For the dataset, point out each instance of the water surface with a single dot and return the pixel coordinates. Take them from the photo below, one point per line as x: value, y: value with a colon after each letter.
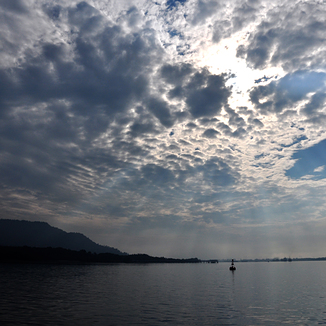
x: 273, y: 293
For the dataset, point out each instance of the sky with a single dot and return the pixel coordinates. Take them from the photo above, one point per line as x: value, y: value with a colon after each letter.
x: 177, y: 128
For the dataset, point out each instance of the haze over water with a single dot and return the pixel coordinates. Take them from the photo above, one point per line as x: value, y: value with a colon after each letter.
x: 163, y: 294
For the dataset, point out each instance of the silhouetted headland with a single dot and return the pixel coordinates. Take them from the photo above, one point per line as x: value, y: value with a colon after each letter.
x: 25, y: 241
x: 66, y: 256
x: 40, y: 234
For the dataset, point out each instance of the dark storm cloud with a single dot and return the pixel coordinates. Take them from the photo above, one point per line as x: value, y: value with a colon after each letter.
x: 288, y: 91
x: 292, y: 35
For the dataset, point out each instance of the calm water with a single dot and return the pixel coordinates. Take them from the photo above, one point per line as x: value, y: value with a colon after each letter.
x: 164, y: 294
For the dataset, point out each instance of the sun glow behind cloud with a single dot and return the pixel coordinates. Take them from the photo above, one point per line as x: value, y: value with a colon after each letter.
x: 222, y: 58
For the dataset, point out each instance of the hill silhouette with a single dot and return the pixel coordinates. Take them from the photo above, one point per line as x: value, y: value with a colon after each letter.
x: 66, y: 256
x: 19, y: 233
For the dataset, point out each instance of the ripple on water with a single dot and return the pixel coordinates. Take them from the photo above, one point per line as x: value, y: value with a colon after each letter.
x: 161, y: 294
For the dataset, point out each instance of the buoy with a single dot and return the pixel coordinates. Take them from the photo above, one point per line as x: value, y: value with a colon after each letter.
x: 232, y: 267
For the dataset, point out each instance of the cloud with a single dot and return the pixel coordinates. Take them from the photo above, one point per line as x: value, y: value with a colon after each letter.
x: 204, y: 9
x: 244, y: 13
x: 86, y: 82
x: 315, y: 106
x: 161, y: 111
x: 288, y: 91
x: 176, y: 74
x: 319, y: 168
x: 210, y: 133
x: 206, y: 94
x: 191, y: 125
x: 86, y: 110
x: 16, y: 6
x: 234, y: 118
x: 217, y: 172
x: 203, y: 93
x: 288, y: 36
x: 140, y: 128
x: 256, y: 122
x: 65, y: 95
x: 157, y: 175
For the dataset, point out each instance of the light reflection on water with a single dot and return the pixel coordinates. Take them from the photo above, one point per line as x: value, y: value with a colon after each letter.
x: 171, y: 294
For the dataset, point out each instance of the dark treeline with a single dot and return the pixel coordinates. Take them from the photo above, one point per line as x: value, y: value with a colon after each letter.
x: 275, y: 260
x: 61, y: 255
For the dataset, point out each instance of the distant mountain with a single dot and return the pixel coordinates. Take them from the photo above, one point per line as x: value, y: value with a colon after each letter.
x: 66, y: 256
x: 40, y: 234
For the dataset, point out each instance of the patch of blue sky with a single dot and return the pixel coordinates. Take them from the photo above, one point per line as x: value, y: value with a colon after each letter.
x: 173, y: 33
x: 173, y: 3
x: 310, y: 162
x: 300, y: 83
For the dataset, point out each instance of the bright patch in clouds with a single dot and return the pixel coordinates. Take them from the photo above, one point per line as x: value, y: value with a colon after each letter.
x: 221, y: 58
x: 167, y: 127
